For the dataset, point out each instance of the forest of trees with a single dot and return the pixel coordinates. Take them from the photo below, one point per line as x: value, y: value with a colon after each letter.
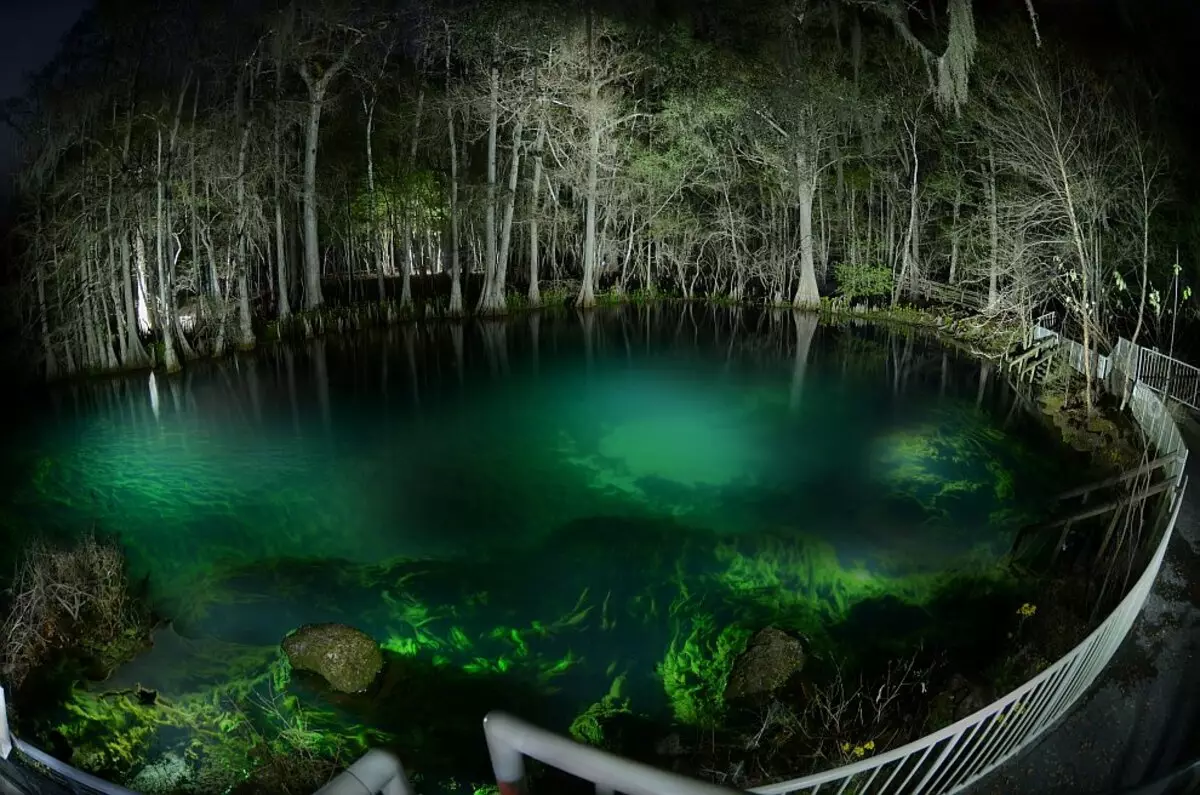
x: 194, y: 170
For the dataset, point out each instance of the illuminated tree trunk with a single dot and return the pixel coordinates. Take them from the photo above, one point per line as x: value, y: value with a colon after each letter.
x: 111, y: 275
x: 409, y: 212
x: 283, y: 308
x: 535, y: 296
x: 807, y: 296
x: 91, y: 348
x: 456, y: 299
x: 954, y: 235
x: 993, y: 236
x: 510, y: 202
x: 312, y: 257
x: 377, y: 243
x: 491, y: 301
x: 317, y: 89
x: 170, y: 362
x: 245, y: 330
x: 908, y: 249
x: 587, y: 295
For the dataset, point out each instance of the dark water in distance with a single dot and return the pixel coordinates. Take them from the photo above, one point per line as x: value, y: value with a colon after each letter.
x: 529, y: 513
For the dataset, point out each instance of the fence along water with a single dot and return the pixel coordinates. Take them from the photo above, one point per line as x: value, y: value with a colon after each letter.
x: 947, y: 761
x: 950, y: 759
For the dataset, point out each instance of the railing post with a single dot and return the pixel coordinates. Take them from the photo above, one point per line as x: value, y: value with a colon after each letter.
x: 508, y: 764
x: 6, y: 744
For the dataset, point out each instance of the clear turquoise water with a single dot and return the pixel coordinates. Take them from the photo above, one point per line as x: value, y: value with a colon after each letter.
x: 525, y: 511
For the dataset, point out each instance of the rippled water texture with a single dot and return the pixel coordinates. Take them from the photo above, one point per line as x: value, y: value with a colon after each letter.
x: 536, y: 513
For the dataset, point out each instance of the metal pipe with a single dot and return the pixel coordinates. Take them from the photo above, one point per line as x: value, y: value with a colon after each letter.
x: 374, y: 773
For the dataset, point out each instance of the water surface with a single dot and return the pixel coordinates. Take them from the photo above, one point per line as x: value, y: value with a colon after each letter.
x: 541, y: 513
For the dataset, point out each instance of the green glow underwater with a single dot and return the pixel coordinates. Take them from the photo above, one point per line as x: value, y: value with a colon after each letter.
x: 580, y: 541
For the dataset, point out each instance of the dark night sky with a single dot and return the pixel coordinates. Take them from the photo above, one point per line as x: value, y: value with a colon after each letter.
x: 30, y: 32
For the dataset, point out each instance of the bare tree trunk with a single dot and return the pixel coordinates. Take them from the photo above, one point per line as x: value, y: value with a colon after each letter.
x: 587, y: 295
x: 908, y: 249
x: 806, y: 296
x: 407, y: 222
x: 456, y: 299
x: 283, y: 308
x: 170, y: 362
x: 245, y: 330
x: 44, y: 324
x: 535, y: 295
x: 377, y: 242
x: 994, y: 235
x: 1147, y: 178
x: 491, y: 302
x: 954, y: 235
x: 510, y: 202
x: 312, y: 257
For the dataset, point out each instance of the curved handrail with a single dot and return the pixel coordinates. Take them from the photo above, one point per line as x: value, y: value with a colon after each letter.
x: 986, y: 738
x: 952, y: 758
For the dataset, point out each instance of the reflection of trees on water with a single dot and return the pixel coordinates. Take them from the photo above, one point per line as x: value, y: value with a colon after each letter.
x: 456, y: 338
x: 494, y: 334
x: 416, y: 360
x: 535, y: 328
x: 409, y: 333
x: 321, y: 376
x: 806, y: 328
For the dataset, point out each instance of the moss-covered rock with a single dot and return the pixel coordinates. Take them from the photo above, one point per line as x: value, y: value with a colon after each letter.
x: 770, y: 659
x: 347, y: 658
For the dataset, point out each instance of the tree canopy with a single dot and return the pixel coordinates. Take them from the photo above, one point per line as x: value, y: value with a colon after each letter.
x: 194, y: 170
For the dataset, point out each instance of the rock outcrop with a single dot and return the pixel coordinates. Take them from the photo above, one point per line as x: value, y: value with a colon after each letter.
x: 770, y: 659
x: 347, y: 658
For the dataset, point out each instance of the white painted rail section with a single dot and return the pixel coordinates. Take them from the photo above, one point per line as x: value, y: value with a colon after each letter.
x: 1169, y: 376
x: 511, y: 739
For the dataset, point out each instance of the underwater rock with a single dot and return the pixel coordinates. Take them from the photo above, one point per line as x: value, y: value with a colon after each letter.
x: 347, y: 658
x: 770, y: 659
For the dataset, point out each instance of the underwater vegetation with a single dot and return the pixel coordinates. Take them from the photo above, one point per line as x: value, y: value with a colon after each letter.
x: 549, y: 535
x: 661, y: 653
x: 697, y: 667
x: 230, y: 737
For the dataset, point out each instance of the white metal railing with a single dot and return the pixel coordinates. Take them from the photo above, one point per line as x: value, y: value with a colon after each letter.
x: 510, y: 740
x: 951, y: 759
x: 375, y: 773
x: 1101, y: 364
x: 1168, y: 376
x: 1049, y: 320
x: 11, y: 746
